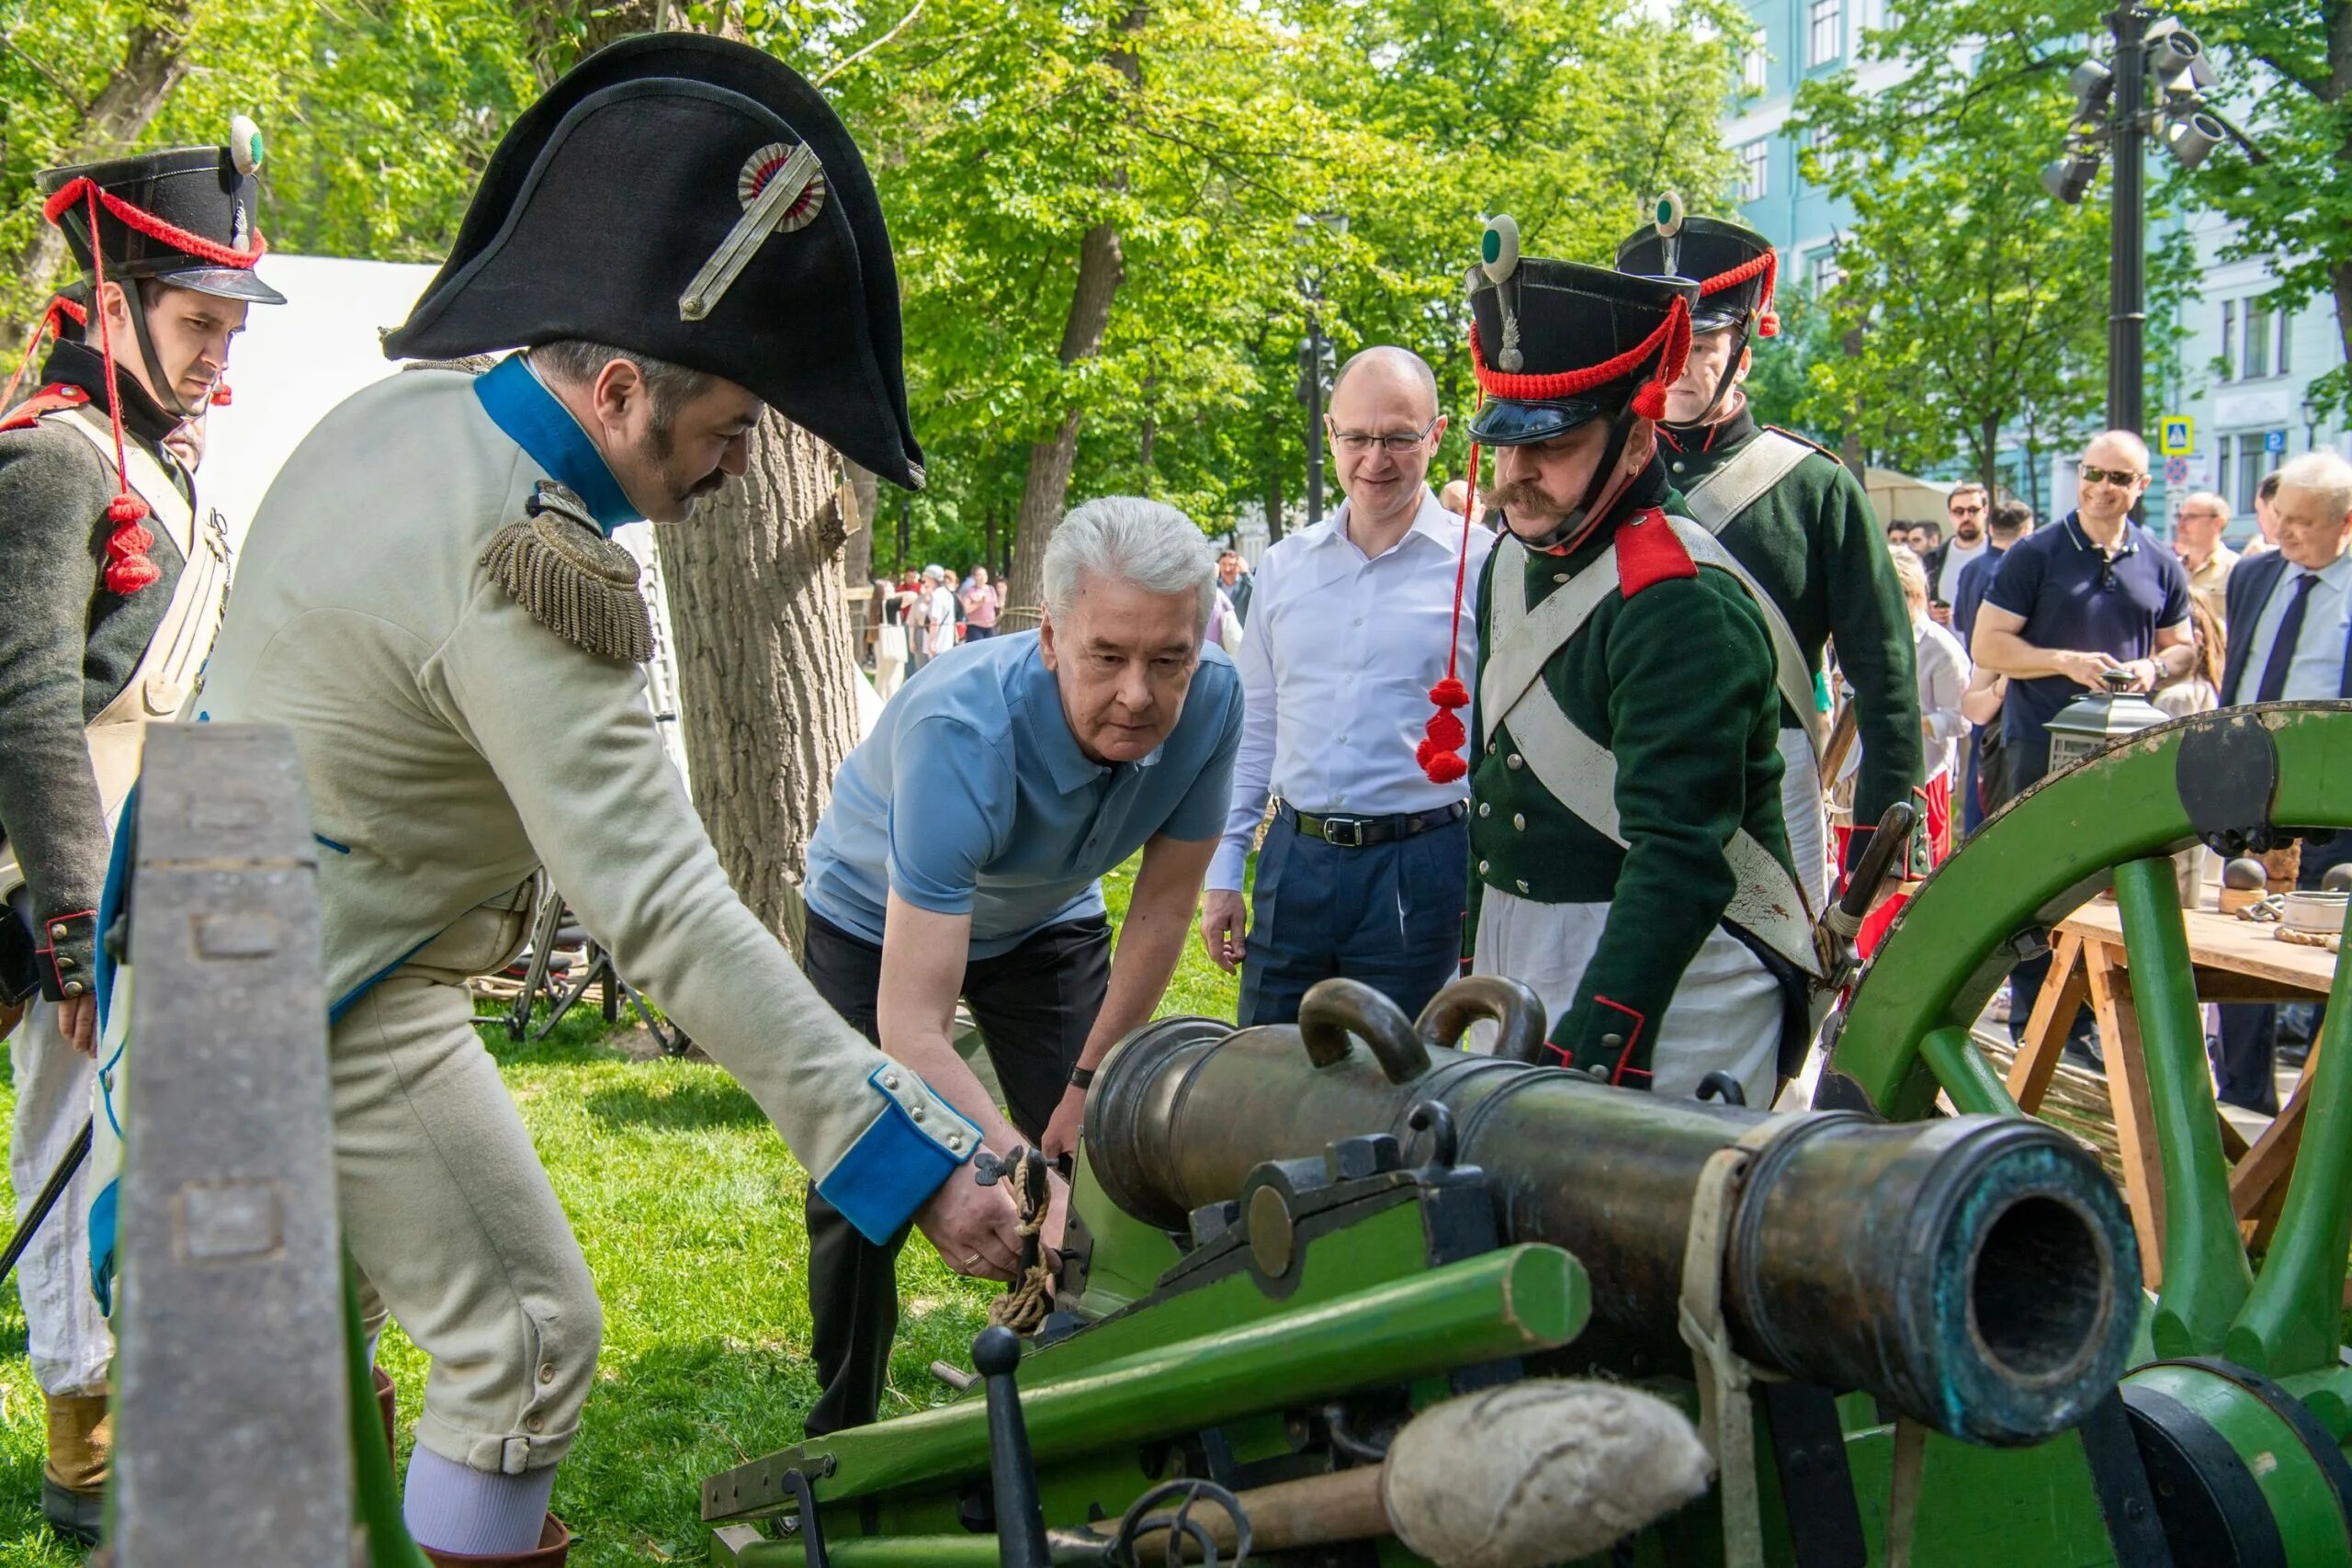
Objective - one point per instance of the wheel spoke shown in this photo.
(2291, 1321)
(2205, 1274)
(1975, 1088)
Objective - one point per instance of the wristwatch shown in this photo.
(1082, 1078)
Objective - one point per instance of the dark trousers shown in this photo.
(1034, 1006)
(1389, 915)
(2245, 1066)
(977, 633)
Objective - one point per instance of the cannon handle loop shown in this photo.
(1332, 1010)
(1726, 1419)
(1517, 1011)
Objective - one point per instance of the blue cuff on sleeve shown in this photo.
(894, 1166)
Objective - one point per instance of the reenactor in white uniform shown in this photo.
(679, 232)
(111, 586)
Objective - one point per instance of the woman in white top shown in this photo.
(1943, 674)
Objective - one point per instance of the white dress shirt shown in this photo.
(2317, 673)
(1336, 672)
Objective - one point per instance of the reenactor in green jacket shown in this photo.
(1795, 518)
(1631, 865)
(111, 585)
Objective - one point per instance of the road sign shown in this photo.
(2274, 441)
(2176, 471)
(2177, 437)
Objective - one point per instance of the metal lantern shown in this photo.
(2096, 720)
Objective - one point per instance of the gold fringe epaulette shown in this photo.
(571, 578)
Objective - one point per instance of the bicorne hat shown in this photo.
(694, 200)
(1736, 267)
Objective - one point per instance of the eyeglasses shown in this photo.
(1965, 509)
(1364, 441)
(2122, 479)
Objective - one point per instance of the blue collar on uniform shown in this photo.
(536, 421)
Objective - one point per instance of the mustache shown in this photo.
(1524, 494)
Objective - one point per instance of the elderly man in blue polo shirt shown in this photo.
(2098, 593)
(962, 856)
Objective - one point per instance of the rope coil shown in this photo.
(1027, 1301)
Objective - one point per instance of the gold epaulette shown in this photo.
(571, 578)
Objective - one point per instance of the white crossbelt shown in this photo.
(1713, 503)
(1580, 771)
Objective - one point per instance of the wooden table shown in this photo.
(2235, 961)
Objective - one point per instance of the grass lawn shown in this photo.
(689, 1209)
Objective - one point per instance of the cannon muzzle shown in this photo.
(1977, 1273)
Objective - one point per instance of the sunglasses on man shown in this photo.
(2122, 479)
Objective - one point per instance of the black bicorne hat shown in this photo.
(1555, 345)
(184, 216)
(633, 206)
(1735, 269)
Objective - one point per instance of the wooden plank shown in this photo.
(2063, 992)
(2127, 1079)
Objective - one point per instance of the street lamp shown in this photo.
(2112, 115)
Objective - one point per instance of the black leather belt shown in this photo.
(1361, 832)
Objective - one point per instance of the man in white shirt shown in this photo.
(1364, 871)
(2197, 539)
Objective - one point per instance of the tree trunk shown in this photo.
(857, 555)
(766, 669)
(1988, 471)
(1100, 273)
(108, 125)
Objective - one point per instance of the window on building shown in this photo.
(1755, 165)
(2245, 458)
(2229, 346)
(2260, 327)
(1755, 67)
(1824, 31)
(2285, 335)
(1824, 272)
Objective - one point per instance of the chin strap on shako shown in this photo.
(1764, 322)
(1440, 752)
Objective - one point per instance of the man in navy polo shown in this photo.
(2069, 603)
(962, 856)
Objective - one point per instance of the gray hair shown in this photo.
(577, 362)
(2204, 501)
(1126, 538)
(2323, 474)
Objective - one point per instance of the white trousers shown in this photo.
(1801, 807)
(65, 1335)
(1726, 1015)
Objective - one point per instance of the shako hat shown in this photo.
(694, 201)
(1736, 267)
(183, 216)
(1555, 345)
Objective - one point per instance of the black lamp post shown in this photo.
(2310, 423)
(2112, 115)
(1315, 365)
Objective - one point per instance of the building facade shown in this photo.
(2245, 368)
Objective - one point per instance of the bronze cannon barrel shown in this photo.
(1977, 1273)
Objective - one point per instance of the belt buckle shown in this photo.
(1350, 838)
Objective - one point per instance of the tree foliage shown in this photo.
(1001, 132)
(1974, 303)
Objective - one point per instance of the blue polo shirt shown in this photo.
(971, 797)
(2073, 595)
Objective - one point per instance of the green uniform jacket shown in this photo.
(1675, 679)
(1818, 549)
(68, 644)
